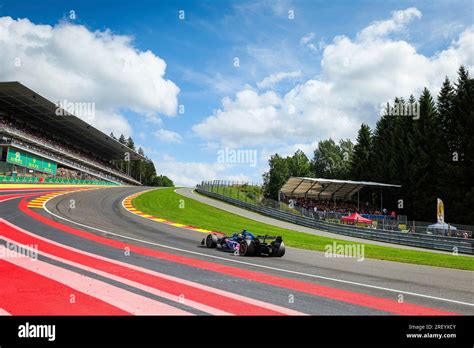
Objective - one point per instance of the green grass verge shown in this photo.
(167, 204)
(249, 194)
(246, 193)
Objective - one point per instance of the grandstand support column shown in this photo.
(381, 200)
(358, 209)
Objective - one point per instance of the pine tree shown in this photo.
(130, 143)
(462, 155)
(382, 159)
(122, 139)
(445, 113)
(427, 159)
(405, 155)
(361, 159)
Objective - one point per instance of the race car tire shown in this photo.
(211, 241)
(247, 248)
(280, 251)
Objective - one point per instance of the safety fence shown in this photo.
(437, 242)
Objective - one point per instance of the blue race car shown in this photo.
(247, 244)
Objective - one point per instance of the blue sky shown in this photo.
(299, 80)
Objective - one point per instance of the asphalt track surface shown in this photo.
(94, 257)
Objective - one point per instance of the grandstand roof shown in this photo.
(326, 188)
(19, 101)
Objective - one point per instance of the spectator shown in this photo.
(38, 141)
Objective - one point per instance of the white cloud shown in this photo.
(68, 61)
(248, 120)
(153, 118)
(356, 77)
(110, 121)
(273, 79)
(307, 38)
(395, 24)
(288, 150)
(307, 41)
(168, 136)
(168, 157)
(312, 47)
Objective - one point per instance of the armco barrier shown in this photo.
(34, 180)
(461, 245)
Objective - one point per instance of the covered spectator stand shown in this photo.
(332, 189)
(42, 138)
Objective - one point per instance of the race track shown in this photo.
(94, 257)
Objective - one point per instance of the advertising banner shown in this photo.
(440, 213)
(30, 161)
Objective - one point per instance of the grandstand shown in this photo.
(334, 198)
(40, 143)
(328, 189)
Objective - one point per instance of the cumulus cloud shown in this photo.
(110, 121)
(273, 79)
(168, 136)
(396, 23)
(68, 61)
(357, 76)
(248, 120)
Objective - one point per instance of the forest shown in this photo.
(431, 154)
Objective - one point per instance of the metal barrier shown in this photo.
(454, 244)
(36, 180)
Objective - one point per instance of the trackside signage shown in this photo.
(31, 161)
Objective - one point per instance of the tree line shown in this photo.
(430, 154)
(141, 170)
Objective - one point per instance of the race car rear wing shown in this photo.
(269, 237)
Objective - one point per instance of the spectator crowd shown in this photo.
(341, 207)
(52, 147)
